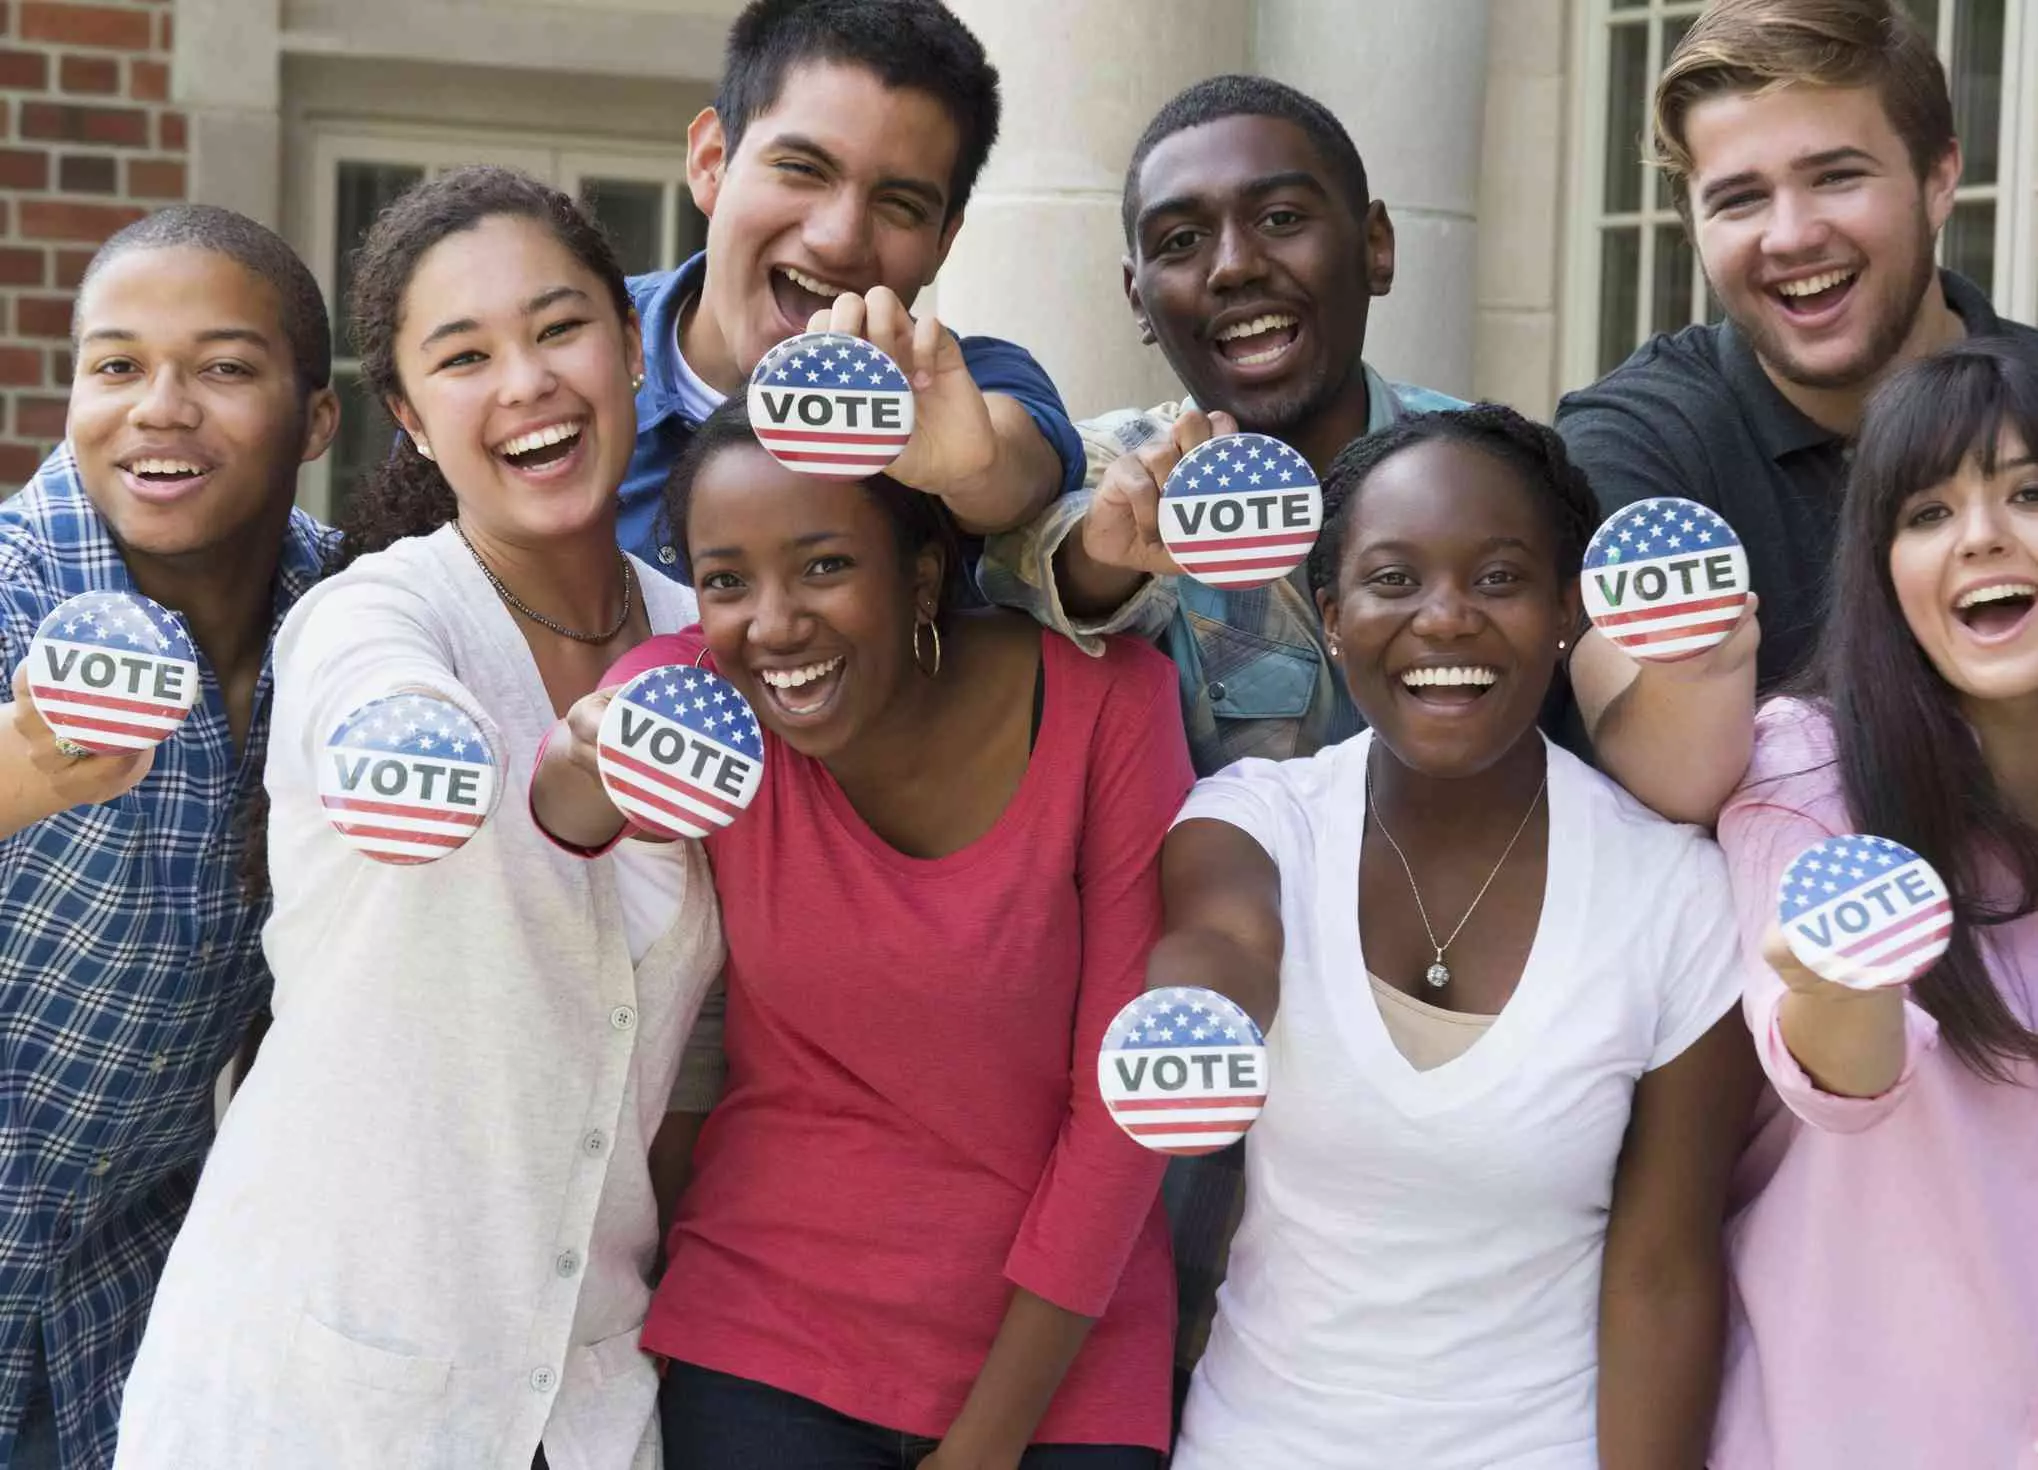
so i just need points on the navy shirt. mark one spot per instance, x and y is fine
(664, 419)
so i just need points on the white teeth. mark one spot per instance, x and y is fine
(539, 438)
(1447, 678)
(811, 283)
(794, 678)
(2000, 592)
(1256, 326)
(1812, 285)
(165, 467)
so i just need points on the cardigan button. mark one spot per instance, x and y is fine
(543, 1379)
(623, 1017)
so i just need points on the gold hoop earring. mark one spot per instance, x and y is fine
(919, 662)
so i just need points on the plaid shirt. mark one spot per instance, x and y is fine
(1256, 680)
(129, 968)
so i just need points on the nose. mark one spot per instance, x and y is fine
(166, 402)
(1796, 224)
(1446, 613)
(1239, 259)
(1984, 529)
(526, 375)
(837, 232)
(778, 623)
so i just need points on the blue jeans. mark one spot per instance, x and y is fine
(713, 1421)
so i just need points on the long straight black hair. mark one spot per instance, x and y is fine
(1908, 761)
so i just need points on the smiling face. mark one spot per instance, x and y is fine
(1814, 227)
(843, 185)
(805, 598)
(1965, 567)
(516, 372)
(186, 415)
(1252, 272)
(1448, 606)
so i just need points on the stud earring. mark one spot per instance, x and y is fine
(636, 382)
(422, 447)
(1562, 645)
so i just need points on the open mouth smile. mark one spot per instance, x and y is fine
(802, 694)
(799, 295)
(164, 477)
(543, 451)
(1814, 299)
(1997, 612)
(1259, 342)
(1449, 686)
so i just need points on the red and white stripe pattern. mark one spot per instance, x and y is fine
(1665, 579)
(1183, 1071)
(1241, 510)
(1864, 912)
(408, 779)
(825, 403)
(113, 672)
(679, 752)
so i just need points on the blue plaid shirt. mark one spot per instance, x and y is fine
(130, 966)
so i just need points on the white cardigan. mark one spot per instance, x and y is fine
(426, 1234)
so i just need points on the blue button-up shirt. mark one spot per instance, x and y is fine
(130, 966)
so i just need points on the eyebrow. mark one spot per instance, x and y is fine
(812, 538)
(216, 334)
(1823, 159)
(531, 308)
(932, 194)
(1256, 189)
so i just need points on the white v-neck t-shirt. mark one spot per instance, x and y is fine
(1415, 1280)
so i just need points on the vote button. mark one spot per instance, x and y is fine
(1183, 1071)
(408, 779)
(1241, 510)
(1864, 912)
(112, 671)
(1665, 579)
(825, 403)
(679, 751)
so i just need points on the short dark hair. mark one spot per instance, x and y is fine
(258, 250)
(1237, 95)
(916, 44)
(918, 520)
(1533, 449)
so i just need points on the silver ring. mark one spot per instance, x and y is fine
(72, 749)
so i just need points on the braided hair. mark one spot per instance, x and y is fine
(1533, 449)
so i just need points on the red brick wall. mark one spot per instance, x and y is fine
(88, 142)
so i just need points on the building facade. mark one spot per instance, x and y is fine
(1535, 246)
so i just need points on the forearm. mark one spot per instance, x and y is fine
(1851, 1044)
(1659, 1368)
(1679, 745)
(1091, 590)
(568, 801)
(1036, 1343)
(1022, 475)
(1214, 961)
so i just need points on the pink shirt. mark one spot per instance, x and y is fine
(1886, 1274)
(912, 1124)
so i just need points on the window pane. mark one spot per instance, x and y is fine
(1630, 4)
(366, 432)
(1673, 32)
(689, 226)
(362, 189)
(1627, 81)
(1670, 295)
(1971, 243)
(631, 210)
(1620, 263)
(1976, 72)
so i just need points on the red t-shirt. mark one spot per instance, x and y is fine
(912, 1124)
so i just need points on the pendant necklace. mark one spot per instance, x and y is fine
(1438, 975)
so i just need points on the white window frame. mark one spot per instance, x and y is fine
(563, 161)
(2015, 192)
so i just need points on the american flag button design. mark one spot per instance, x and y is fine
(113, 671)
(825, 403)
(1183, 1070)
(1241, 510)
(1864, 912)
(1665, 579)
(679, 751)
(408, 778)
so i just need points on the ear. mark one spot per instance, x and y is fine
(321, 422)
(948, 234)
(1940, 182)
(930, 573)
(1379, 249)
(707, 158)
(633, 344)
(405, 416)
(1574, 619)
(1146, 335)
(1326, 608)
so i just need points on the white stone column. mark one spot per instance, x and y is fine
(227, 73)
(1038, 259)
(1407, 78)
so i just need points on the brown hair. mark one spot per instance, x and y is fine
(1760, 45)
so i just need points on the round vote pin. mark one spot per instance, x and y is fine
(408, 778)
(1864, 912)
(825, 403)
(1183, 1070)
(1665, 579)
(679, 751)
(1241, 510)
(112, 671)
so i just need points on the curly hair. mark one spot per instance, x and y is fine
(405, 495)
(1532, 448)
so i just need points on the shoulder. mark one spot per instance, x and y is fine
(1621, 830)
(660, 650)
(999, 366)
(1414, 398)
(1130, 668)
(649, 289)
(1796, 755)
(401, 579)
(1286, 806)
(1672, 380)
(1122, 430)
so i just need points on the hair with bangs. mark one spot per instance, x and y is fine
(1908, 761)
